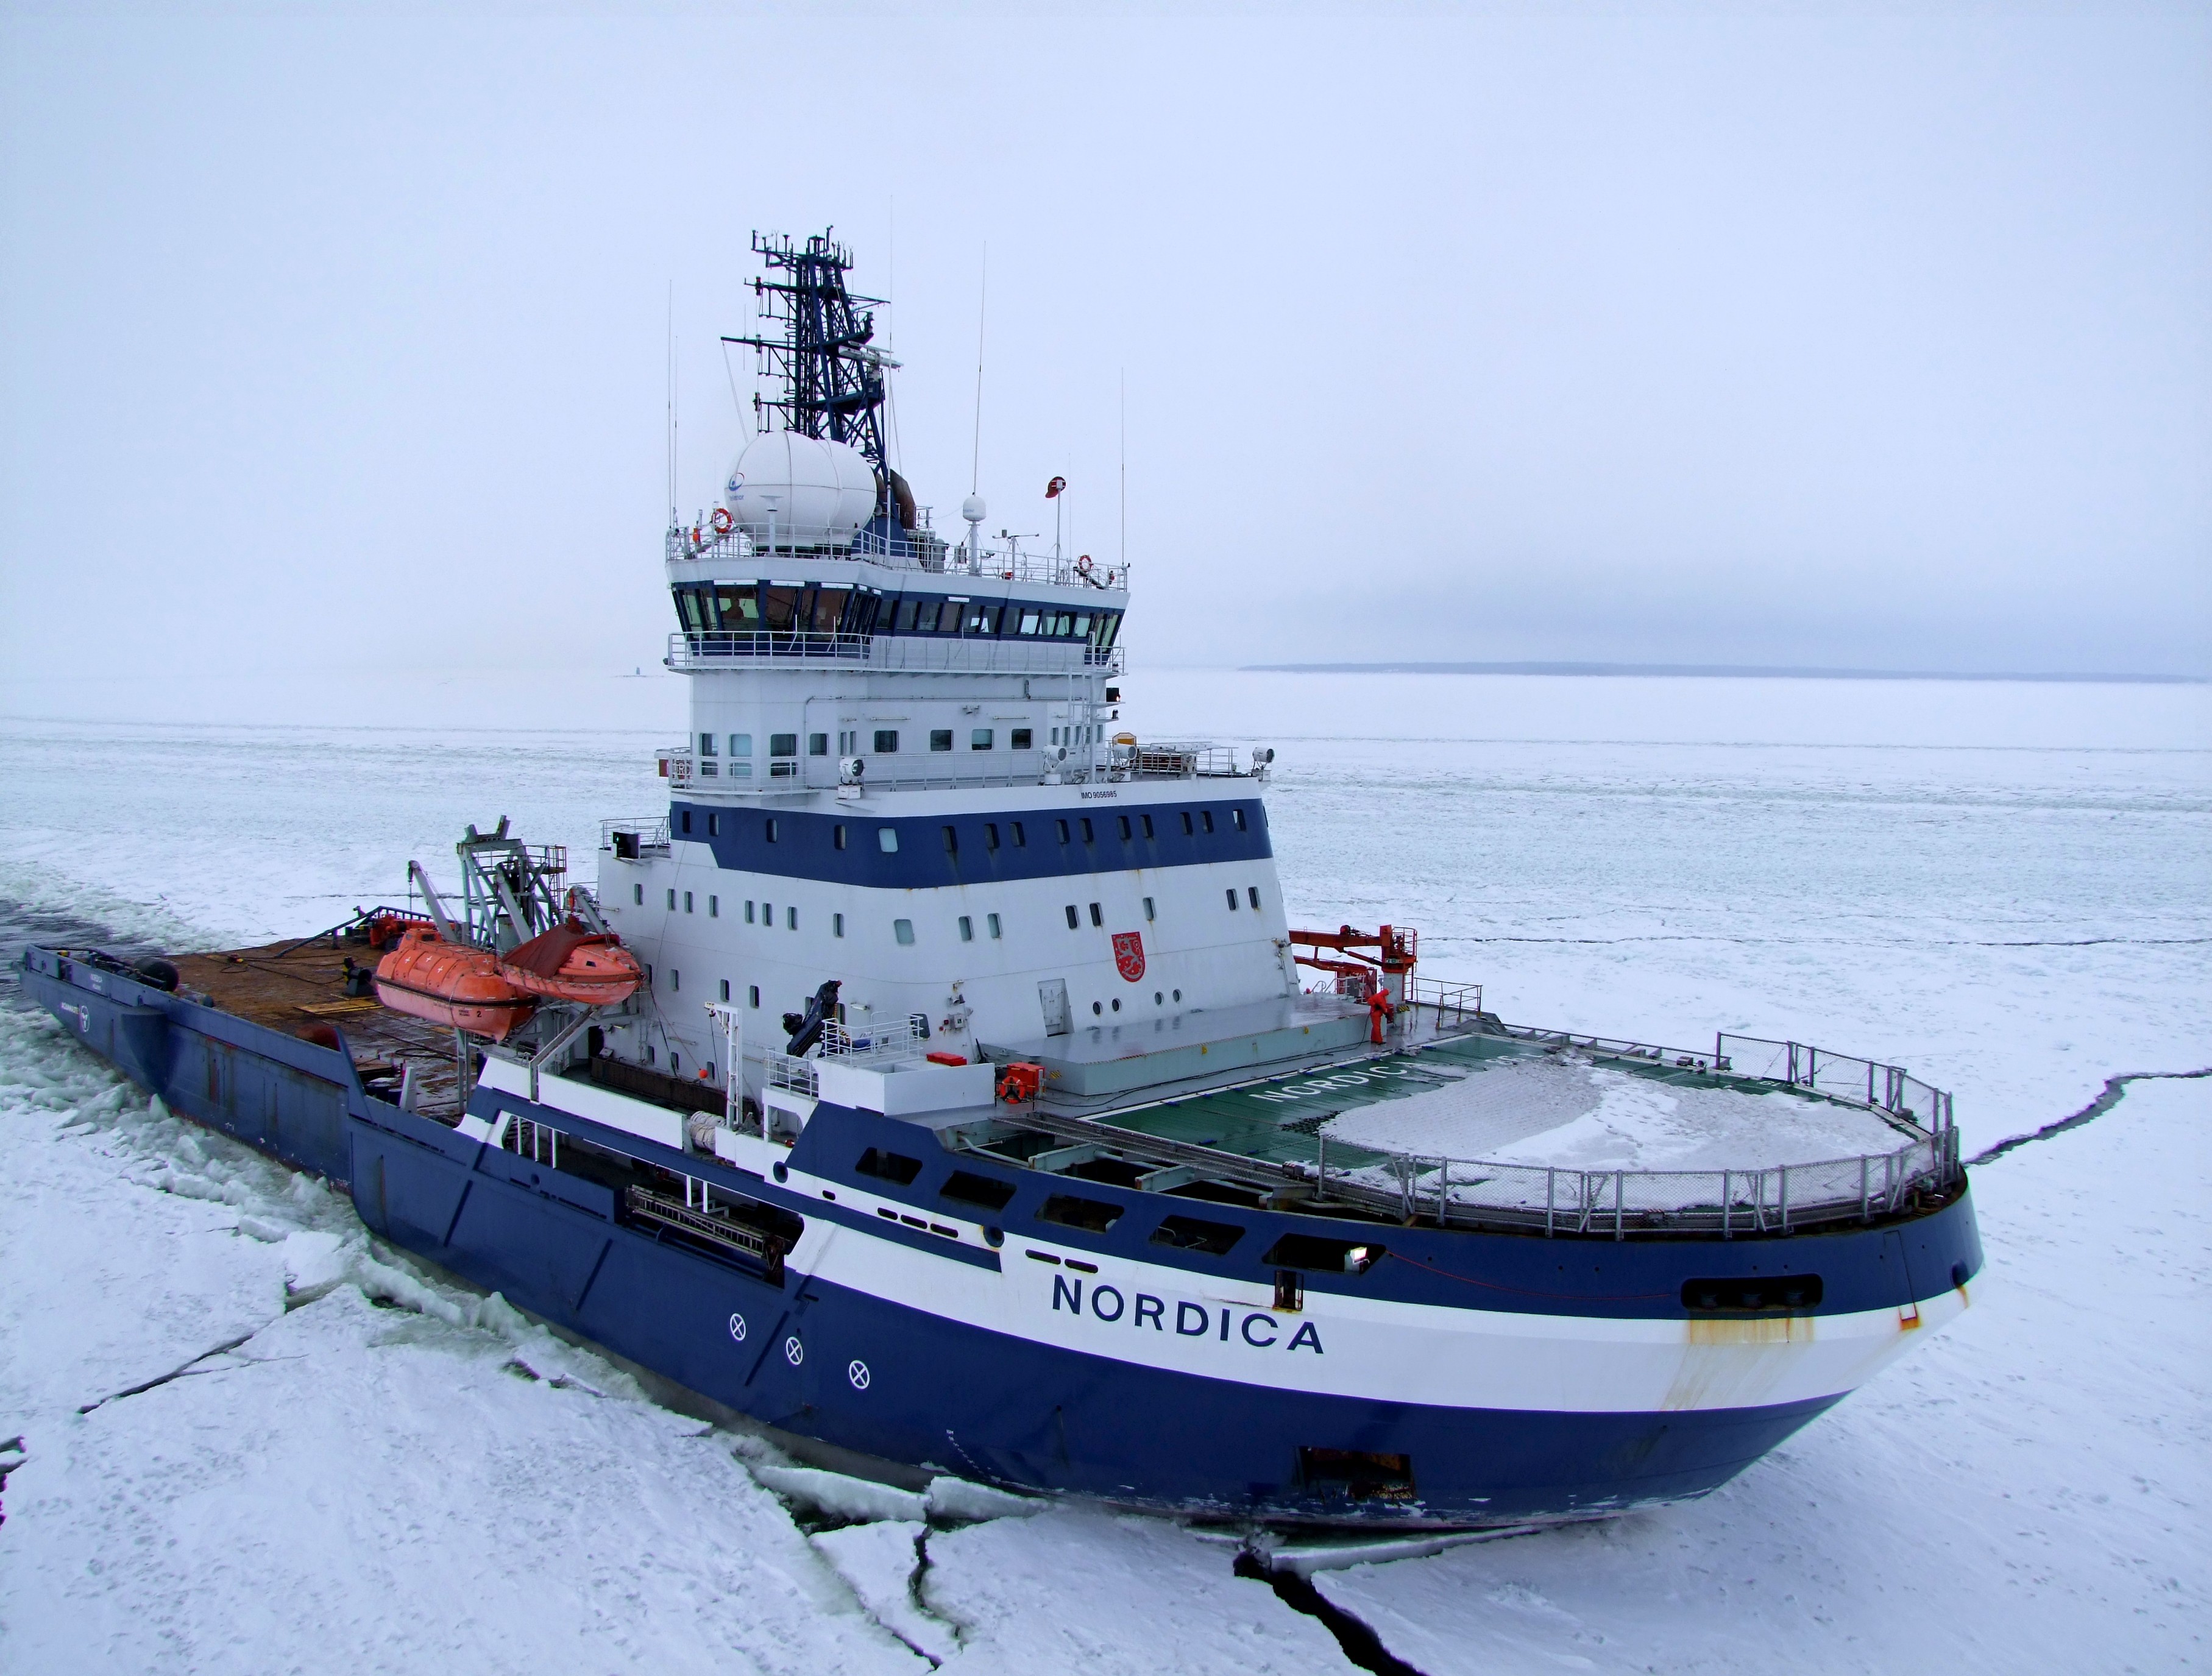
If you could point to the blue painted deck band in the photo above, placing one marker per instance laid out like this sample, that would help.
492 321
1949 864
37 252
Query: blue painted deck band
805 846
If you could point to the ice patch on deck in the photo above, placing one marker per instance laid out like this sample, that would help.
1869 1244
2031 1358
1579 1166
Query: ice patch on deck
1569 1112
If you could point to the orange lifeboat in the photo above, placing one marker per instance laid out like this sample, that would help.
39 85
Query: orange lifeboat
461 988
569 963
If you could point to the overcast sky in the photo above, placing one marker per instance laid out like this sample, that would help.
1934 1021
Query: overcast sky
1816 335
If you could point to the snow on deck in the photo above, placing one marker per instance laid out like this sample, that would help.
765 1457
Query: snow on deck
1567 1111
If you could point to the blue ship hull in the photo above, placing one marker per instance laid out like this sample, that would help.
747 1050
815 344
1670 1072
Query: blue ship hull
828 1361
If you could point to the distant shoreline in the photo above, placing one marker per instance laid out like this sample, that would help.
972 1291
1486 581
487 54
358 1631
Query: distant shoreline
1735 671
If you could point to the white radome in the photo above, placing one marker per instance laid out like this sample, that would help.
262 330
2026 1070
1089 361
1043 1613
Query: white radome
818 492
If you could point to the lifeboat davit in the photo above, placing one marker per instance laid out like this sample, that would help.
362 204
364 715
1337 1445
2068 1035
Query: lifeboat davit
462 988
571 963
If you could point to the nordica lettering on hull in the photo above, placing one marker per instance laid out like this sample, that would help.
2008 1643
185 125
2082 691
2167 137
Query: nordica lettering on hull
1258 1328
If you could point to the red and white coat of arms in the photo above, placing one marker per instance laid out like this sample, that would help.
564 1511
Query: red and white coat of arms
1129 954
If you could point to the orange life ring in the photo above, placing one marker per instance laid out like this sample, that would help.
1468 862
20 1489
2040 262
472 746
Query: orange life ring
723 522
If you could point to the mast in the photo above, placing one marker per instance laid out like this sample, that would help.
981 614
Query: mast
832 379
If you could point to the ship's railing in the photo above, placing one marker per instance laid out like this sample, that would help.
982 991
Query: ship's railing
1841 1077
690 649
1620 1202
1184 759
633 836
925 552
1452 1003
876 1046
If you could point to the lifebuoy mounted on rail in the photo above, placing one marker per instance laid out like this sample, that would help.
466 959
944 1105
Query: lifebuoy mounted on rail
723 522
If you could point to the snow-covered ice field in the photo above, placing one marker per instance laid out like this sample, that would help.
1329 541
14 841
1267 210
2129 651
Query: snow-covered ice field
2006 889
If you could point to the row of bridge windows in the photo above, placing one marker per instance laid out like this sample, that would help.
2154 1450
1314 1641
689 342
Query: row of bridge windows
1086 829
792 608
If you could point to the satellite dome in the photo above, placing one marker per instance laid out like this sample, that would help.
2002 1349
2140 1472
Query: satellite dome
819 493
972 509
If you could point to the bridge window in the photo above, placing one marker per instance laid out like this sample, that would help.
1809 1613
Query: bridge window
1021 838
830 609
1019 739
1030 622
780 607
887 742
736 608
1087 834
980 620
1237 819
1206 819
1146 822
990 835
887 839
1128 832
979 738
1187 826
953 840
940 738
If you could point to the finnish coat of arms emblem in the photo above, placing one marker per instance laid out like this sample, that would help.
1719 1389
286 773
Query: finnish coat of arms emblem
1129 954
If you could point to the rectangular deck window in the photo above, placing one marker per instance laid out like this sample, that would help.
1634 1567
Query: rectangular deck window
837 836
903 931
837 925
979 739
940 738
992 920
1149 915
817 744
887 839
1097 918
967 929
1018 739
887 742
725 989
749 913
1253 892
1074 919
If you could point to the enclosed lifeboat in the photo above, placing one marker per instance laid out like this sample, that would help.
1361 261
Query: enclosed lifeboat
488 994
446 983
571 963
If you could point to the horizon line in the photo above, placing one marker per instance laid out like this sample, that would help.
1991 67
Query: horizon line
1733 671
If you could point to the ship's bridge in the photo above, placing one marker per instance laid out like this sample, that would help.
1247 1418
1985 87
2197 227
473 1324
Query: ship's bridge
915 605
